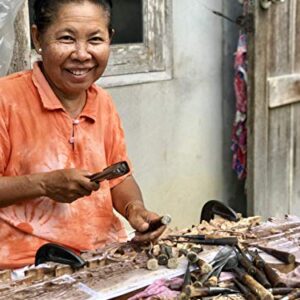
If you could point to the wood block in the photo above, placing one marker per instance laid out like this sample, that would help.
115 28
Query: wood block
62 270
5 276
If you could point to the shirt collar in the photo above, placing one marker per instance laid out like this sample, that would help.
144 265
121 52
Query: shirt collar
51 102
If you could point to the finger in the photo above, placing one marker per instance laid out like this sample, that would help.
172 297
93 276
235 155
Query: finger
75 197
89 185
95 185
82 192
151 236
139 223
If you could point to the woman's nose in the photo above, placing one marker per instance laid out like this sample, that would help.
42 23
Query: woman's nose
81 52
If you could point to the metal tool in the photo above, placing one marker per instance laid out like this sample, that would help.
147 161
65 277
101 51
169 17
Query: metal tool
111 172
271 274
251 269
283 256
187 276
209 291
292 296
155 224
218 263
231 241
59 254
249 281
214 207
244 290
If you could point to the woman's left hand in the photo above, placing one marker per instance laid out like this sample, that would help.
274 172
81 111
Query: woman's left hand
139 218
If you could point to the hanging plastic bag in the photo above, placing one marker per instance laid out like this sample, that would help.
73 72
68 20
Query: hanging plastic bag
8 12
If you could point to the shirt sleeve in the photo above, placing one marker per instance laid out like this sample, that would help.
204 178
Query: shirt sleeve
115 144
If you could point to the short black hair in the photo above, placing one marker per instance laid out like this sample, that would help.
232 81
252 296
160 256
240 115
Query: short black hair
45 11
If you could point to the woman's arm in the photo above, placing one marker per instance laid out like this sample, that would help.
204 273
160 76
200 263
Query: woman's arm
63 186
127 200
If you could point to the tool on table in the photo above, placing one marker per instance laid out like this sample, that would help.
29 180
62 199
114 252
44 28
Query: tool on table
215 207
271 274
203 240
187 276
155 224
249 281
59 254
251 269
293 295
172 262
192 291
217 264
202 266
283 256
281 291
244 290
114 171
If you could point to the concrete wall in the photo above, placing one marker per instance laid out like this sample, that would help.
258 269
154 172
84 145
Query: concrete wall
174 129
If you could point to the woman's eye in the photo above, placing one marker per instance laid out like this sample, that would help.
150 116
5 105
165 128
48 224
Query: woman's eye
66 38
96 40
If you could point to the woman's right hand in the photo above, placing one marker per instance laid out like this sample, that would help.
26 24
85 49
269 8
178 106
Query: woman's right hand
68 185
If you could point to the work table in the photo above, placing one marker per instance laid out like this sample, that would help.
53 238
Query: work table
120 269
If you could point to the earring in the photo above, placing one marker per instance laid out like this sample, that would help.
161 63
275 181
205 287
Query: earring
40 50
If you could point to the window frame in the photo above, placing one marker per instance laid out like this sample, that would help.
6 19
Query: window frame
133 63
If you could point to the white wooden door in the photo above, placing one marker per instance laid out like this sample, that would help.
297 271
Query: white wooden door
273 186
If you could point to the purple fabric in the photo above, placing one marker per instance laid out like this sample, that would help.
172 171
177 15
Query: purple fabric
159 289
239 133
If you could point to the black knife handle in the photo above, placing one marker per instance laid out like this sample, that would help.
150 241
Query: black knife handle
111 172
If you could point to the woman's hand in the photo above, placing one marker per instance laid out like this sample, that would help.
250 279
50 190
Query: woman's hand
68 185
139 218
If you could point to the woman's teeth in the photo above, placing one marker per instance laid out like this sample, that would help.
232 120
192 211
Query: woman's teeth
78 72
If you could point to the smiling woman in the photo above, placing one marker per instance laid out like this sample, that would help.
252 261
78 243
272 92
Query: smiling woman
74 55
141 48
57 128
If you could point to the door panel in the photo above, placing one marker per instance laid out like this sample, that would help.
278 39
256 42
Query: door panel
274 110
297 37
279 161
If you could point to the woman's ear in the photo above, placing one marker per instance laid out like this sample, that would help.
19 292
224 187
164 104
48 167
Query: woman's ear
36 39
111 34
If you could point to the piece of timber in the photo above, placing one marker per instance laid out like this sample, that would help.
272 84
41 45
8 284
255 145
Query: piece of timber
5 275
40 273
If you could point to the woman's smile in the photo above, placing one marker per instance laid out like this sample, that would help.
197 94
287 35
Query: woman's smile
80 74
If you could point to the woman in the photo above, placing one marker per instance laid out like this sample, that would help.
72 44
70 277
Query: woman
56 129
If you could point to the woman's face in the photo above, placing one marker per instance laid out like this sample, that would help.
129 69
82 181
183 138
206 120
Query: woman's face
75 48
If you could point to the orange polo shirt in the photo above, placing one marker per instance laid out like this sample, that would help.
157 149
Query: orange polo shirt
38 135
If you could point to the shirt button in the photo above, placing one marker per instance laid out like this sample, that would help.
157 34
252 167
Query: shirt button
72 140
75 122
